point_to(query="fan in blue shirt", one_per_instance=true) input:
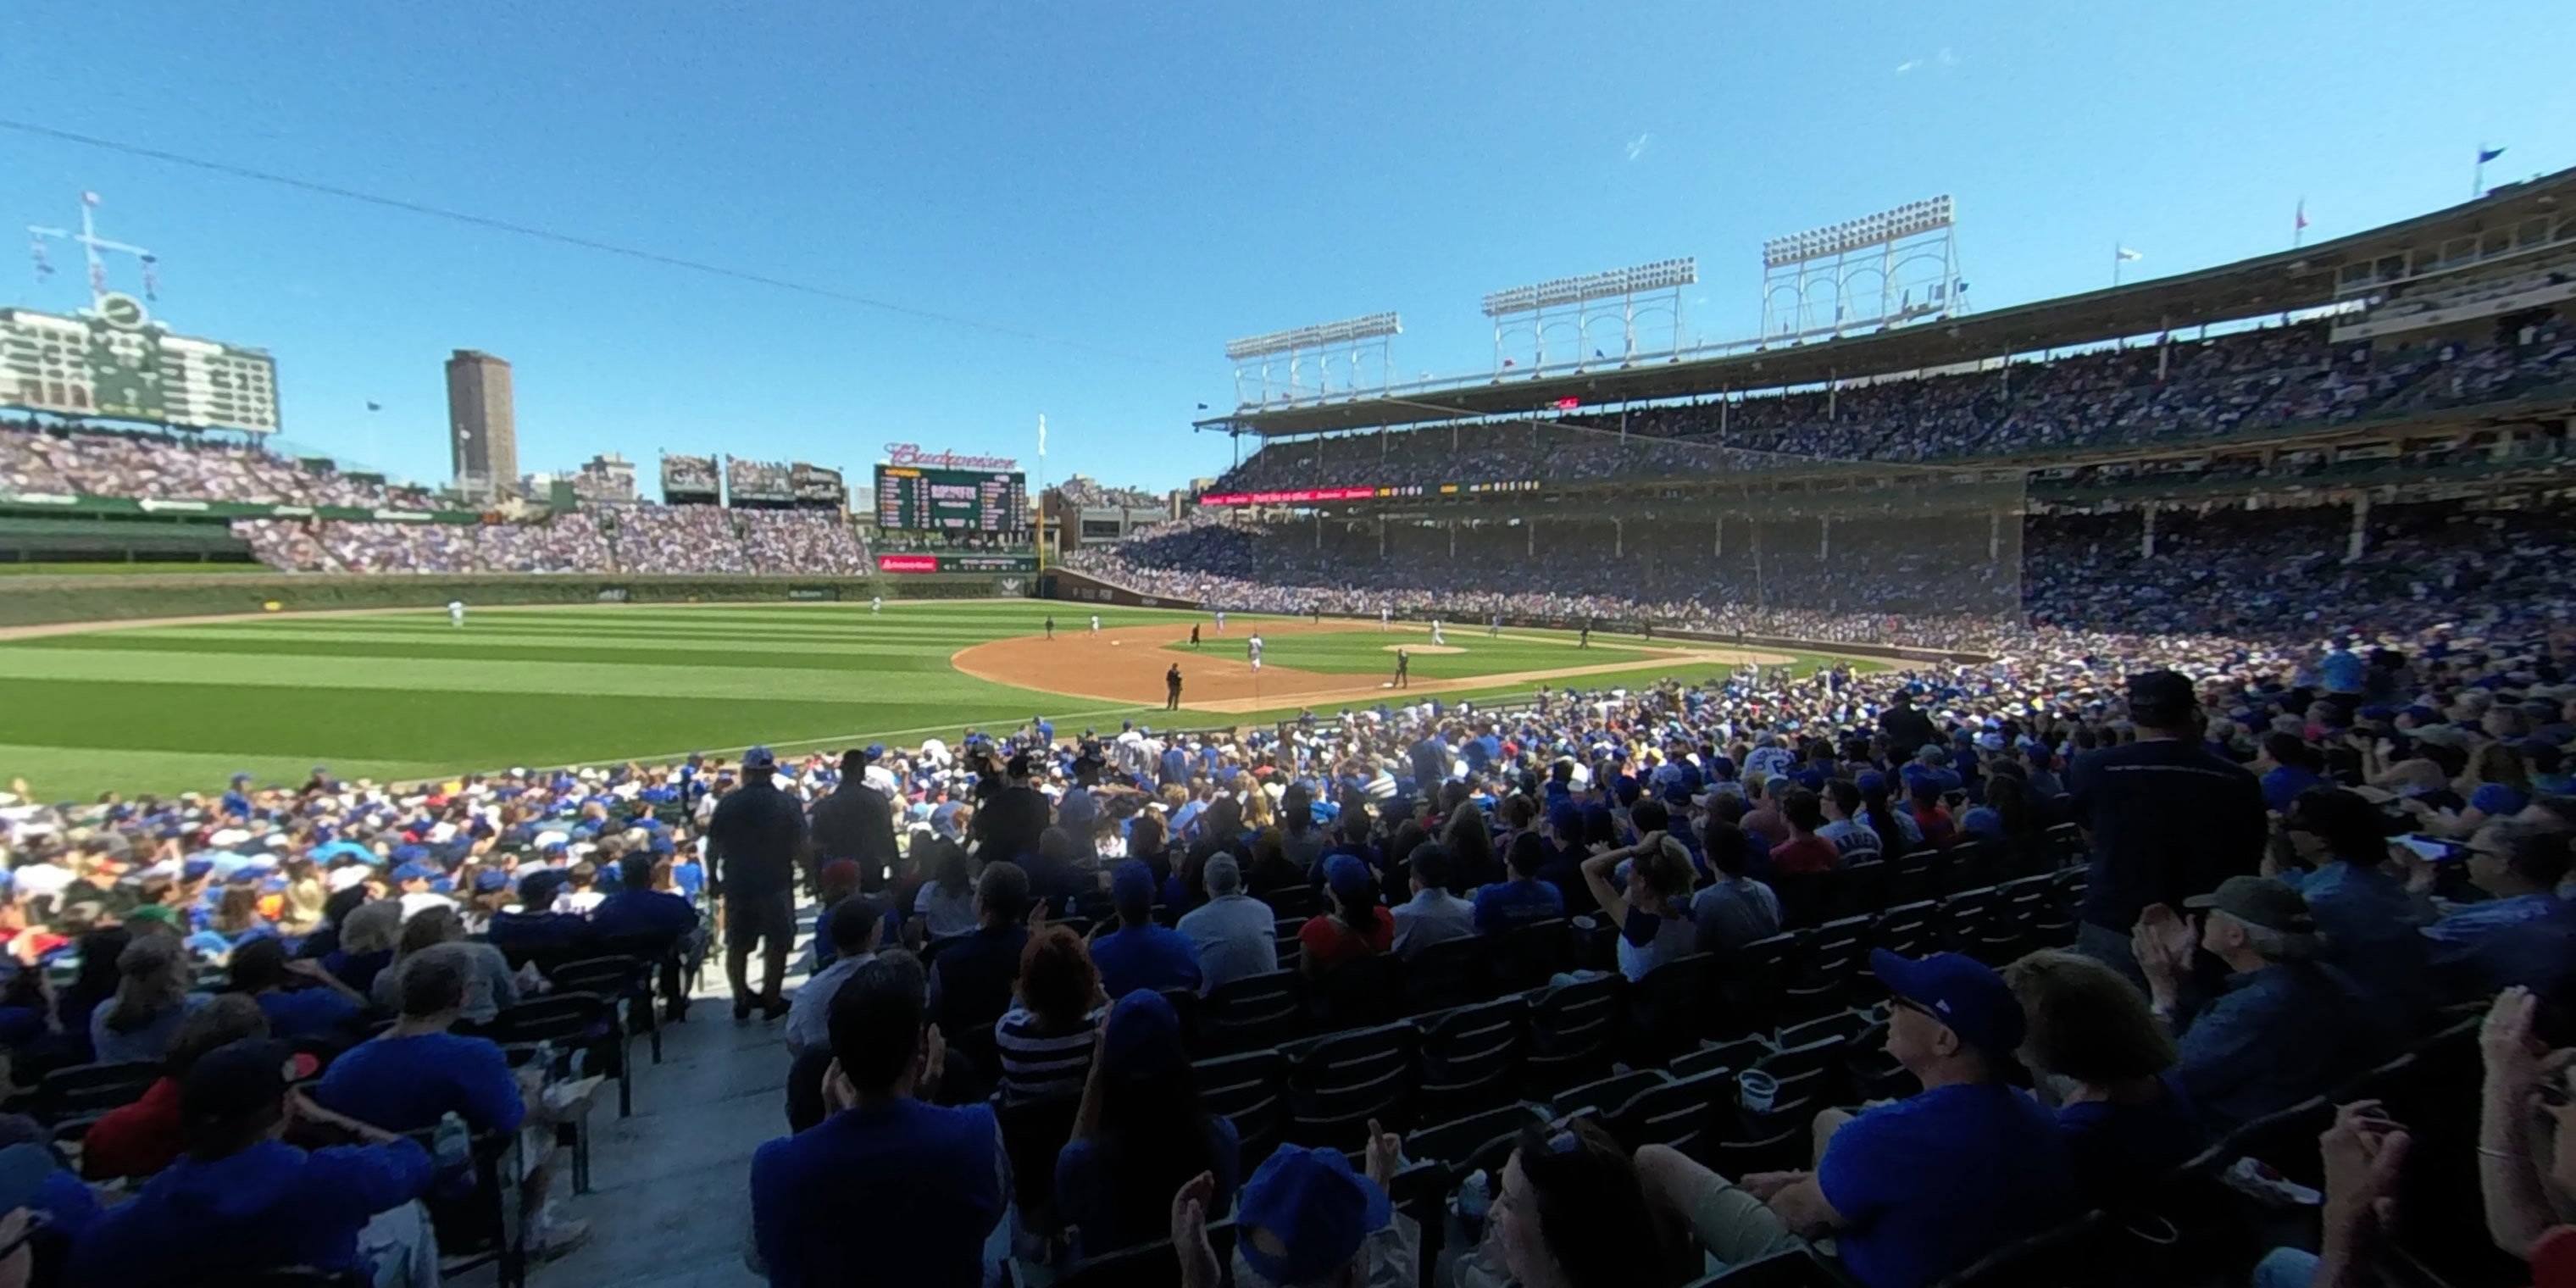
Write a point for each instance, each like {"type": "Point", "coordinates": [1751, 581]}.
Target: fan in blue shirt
{"type": "Point", "coordinates": [1918, 1189]}
{"type": "Point", "coordinates": [1524, 899]}
{"type": "Point", "coordinates": [1138, 953]}
{"type": "Point", "coordinates": [324, 1007]}
{"type": "Point", "coordinates": [240, 1200]}
{"type": "Point", "coordinates": [891, 1188]}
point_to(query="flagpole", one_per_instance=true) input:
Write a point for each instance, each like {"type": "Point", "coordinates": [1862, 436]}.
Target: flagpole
{"type": "Point", "coordinates": [2478, 172]}
{"type": "Point", "coordinates": [2115, 263]}
{"type": "Point", "coordinates": [1040, 507]}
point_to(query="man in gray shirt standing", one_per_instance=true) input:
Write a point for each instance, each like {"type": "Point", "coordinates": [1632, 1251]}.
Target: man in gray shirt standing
{"type": "Point", "coordinates": [1234, 934]}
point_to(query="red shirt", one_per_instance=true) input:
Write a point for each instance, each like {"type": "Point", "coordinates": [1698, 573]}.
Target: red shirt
{"type": "Point", "coordinates": [138, 1139]}
{"type": "Point", "coordinates": [1805, 854]}
{"type": "Point", "coordinates": [1328, 943]}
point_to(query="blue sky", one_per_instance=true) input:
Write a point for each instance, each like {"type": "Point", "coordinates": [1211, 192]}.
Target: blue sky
{"type": "Point", "coordinates": [1137, 182]}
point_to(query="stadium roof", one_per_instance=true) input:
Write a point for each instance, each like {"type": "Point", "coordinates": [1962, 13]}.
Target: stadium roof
{"type": "Point", "coordinates": [2267, 284]}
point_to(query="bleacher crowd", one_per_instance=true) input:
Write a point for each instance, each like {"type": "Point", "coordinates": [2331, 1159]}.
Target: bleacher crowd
{"type": "Point", "coordinates": [2180, 389]}
{"type": "Point", "coordinates": [58, 460]}
{"type": "Point", "coordinates": [649, 539]}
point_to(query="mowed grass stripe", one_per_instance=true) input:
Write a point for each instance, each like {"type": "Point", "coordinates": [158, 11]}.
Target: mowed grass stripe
{"type": "Point", "coordinates": [878, 658]}
{"type": "Point", "coordinates": [745, 678]}
{"type": "Point", "coordinates": [455, 730]}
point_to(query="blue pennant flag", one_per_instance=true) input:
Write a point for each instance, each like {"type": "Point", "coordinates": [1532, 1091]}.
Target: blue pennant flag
{"type": "Point", "coordinates": [2489, 154]}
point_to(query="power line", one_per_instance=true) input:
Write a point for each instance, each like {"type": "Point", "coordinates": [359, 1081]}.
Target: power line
{"type": "Point", "coordinates": [1435, 411]}
{"type": "Point", "coordinates": [576, 240]}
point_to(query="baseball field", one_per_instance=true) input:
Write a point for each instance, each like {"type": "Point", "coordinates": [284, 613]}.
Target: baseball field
{"type": "Point", "coordinates": [404, 695]}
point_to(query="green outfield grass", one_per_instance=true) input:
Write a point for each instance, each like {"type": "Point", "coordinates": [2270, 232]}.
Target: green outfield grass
{"type": "Point", "coordinates": [405, 695]}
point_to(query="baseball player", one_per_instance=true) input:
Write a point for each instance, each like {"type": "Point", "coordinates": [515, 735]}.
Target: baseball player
{"type": "Point", "coordinates": [1435, 632]}
{"type": "Point", "coordinates": [1253, 649]}
{"type": "Point", "coordinates": [876, 604]}
{"type": "Point", "coordinates": [1095, 623]}
{"type": "Point", "coordinates": [456, 612]}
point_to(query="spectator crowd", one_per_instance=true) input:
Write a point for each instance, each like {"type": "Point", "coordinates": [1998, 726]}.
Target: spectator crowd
{"type": "Point", "coordinates": [2290, 861]}
{"type": "Point", "coordinates": [2175, 390]}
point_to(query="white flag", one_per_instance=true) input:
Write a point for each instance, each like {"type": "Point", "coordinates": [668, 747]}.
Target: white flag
{"type": "Point", "coordinates": [89, 198]}
{"type": "Point", "coordinates": [2128, 254]}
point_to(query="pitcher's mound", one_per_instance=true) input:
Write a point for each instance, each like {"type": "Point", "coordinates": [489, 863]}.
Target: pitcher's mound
{"type": "Point", "coordinates": [1423, 648]}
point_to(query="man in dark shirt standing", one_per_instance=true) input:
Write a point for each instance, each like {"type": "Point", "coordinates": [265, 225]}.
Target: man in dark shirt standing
{"type": "Point", "coordinates": [1009, 822]}
{"type": "Point", "coordinates": [856, 822]}
{"type": "Point", "coordinates": [1172, 682]}
{"type": "Point", "coordinates": [1908, 730]}
{"type": "Point", "coordinates": [754, 845]}
{"type": "Point", "coordinates": [2167, 817]}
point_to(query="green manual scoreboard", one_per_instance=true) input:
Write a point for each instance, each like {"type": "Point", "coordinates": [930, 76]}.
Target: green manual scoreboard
{"type": "Point", "coordinates": [114, 362]}
{"type": "Point", "coordinates": [912, 499]}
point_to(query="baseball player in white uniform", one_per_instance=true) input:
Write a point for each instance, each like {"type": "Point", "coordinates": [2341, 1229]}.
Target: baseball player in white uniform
{"type": "Point", "coordinates": [1384, 617]}
{"type": "Point", "coordinates": [1253, 648]}
{"type": "Point", "coordinates": [1220, 621]}
{"type": "Point", "coordinates": [876, 604]}
{"type": "Point", "coordinates": [1435, 632]}
{"type": "Point", "coordinates": [1095, 623]}
{"type": "Point", "coordinates": [456, 612]}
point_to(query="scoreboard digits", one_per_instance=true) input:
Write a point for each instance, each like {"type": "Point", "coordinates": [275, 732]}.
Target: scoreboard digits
{"type": "Point", "coordinates": [920, 500]}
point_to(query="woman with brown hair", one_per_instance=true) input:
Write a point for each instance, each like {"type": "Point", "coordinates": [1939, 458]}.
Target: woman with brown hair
{"type": "Point", "coordinates": [2110, 1064]}
{"type": "Point", "coordinates": [151, 998]}
{"type": "Point", "coordinates": [1569, 1211]}
{"type": "Point", "coordinates": [1046, 1037]}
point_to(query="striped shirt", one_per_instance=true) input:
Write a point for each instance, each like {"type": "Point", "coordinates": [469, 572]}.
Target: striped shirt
{"type": "Point", "coordinates": [1036, 1063]}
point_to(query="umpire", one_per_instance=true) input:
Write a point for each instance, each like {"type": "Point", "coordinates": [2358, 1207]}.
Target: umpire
{"type": "Point", "coordinates": [755, 843]}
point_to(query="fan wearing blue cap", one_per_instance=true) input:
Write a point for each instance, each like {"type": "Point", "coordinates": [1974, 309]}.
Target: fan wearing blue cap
{"type": "Point", "coordinates": [1142, 1134]}
{"type": "Point", "coordinates": [1139, 953]}
{"type": "Point", "coordinates": [1918, 1189]}
{"type": "Point", "coordinates": [1306, 1220]}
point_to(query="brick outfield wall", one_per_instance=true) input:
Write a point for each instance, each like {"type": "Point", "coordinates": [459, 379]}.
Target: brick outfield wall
{"type": "Point", "coordinates": [38, 601]}
{"type": "Point", "coordinates": [1083, 588]}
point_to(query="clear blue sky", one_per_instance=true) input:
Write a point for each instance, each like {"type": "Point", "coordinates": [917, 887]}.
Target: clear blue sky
{"type": "Point", "coordinates": [1154, 178]}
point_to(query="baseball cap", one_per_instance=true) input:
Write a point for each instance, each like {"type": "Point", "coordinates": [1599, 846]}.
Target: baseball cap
{"type": "Point", "coordinates": [2259, 901]}
{"type": "Point", "coordinates": [1348, 875]}
{"type": "Point", "coordinates": [1305, 1213]}
{"type": "Point", "coordinates": [155, 912]}
{"type": "Point", "coordinates": [235, 1079]}
{"type": "Point", "coordinates": [23, 1171]}
{"type": "Point", "coordinates": [1144, 1037]}
{"type": "Point", "coordinates": [759, 758]}
{"type": "Point", "coordinates": [491, 880]}
{"type": "Point", "coordinates": [1132, 885]}
{"type": "Point", "coordinates": [413, 872]}
{"type": "Point", "coordinates": [1958, 990]}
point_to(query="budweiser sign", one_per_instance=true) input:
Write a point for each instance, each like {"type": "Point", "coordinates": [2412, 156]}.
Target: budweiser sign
{"type": "Point", "coordinates": [912, 454]}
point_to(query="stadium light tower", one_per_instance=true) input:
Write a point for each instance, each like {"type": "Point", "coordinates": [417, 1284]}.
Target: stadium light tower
{"type": "Point", "coordinates": [91, 244]}
{"type": "Point", "coordinates": [1621, 293]}
{"type": "Point", "coordinates": [1878, 271]}
{"type": "Point", "coordinates": [1353, 338]}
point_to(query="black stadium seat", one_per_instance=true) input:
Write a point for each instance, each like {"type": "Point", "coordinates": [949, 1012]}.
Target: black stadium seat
{"type": "Point", "coordinates": [1249, 1090]}
{"type": "Point", "coordinates": [1681, 1113]}
{"type": "Point", "coordinates": [1446, 974]}
{"type": "Point", "coordinates": [1605, 1096]}
{"type": "Point", "coordinates": [1570, 1029]}
{"type": "Point", "coordinates": [1337, 1083]}
{"type": "Point", "coordinates": [1468, 1057]}
{"type": "Point", "coordinates": [1256, 1011]}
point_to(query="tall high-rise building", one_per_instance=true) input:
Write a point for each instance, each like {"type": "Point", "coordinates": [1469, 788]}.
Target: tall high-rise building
{"type": "Point", "coordinates": [482, 431]}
